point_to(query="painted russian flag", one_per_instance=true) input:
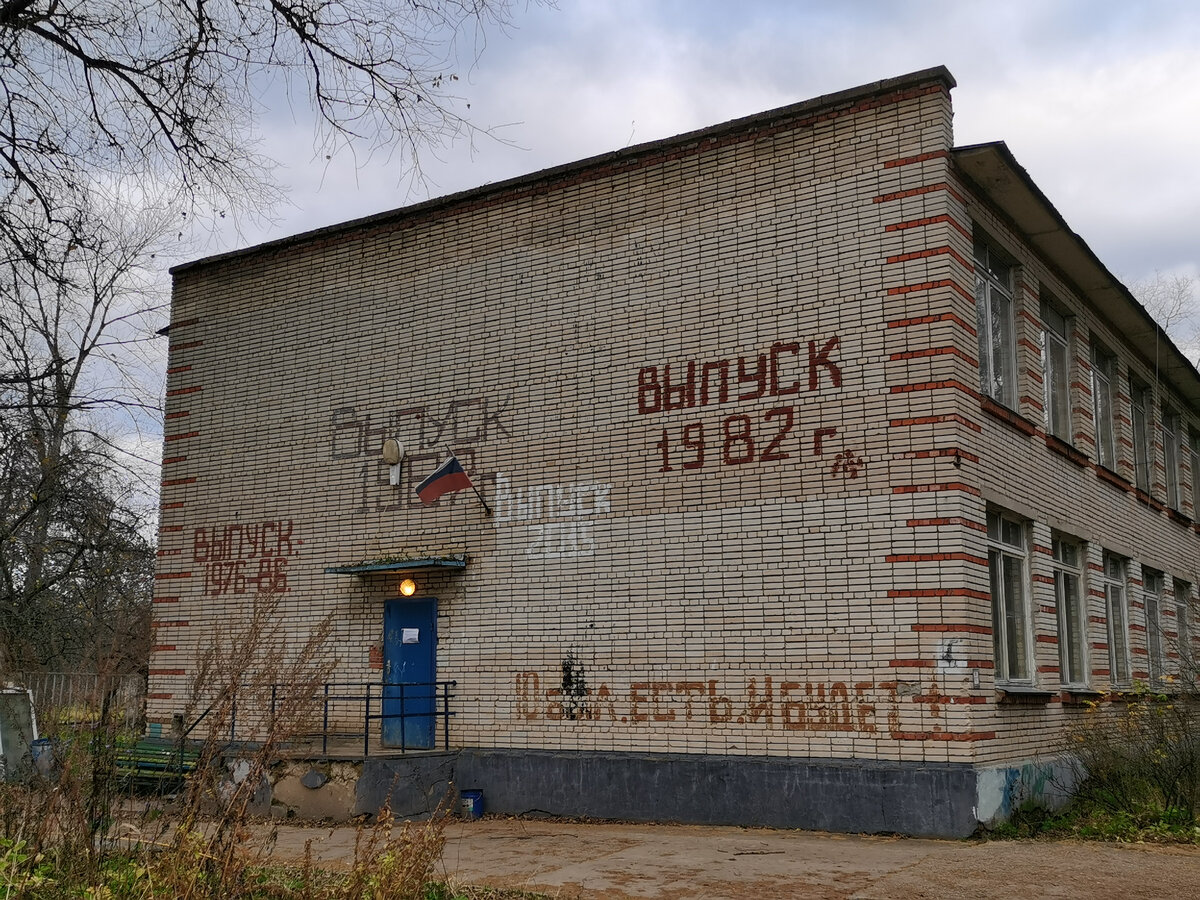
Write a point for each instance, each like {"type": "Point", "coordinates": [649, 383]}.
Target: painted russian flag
{"type": "Point", "coordinates": [446, 479]}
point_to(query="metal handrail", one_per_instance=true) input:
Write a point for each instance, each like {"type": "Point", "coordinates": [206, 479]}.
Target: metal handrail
{"type": "Point", "coordinates": [366, 694]}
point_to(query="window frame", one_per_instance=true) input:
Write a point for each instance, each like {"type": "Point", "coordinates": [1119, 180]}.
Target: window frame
{"type": "Point", "coordinates": [1012, 622]}
{"type": "Point", "coordinates": [1183, 625]}
{"type": "Point", "coordinates": [1168, 429]}
{"type": "Point", "coordinates": [1104, 366]}
{"type": "Point", "coordinates": [1070, 602]}
{"type": "Point", "coordinates": [1156, 655]}
{"type": "Point", "coordinates": [1116, 597]}
{"type": "Point", "coordinates": [995, 307]}
{"type": "Point", "coordinates": [1139, 423]}
{"type": "Point", "coordinates": [1194, 456]}
{"type": "Point", "coordinates": [1057, 333]}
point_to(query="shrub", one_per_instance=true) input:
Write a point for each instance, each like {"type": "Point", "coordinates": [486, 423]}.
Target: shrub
{"type": "Point", "coordinates": [1140, 758]}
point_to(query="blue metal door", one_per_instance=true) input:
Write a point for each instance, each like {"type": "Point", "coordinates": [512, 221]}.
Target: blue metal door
{"type": "Point", "coordinates": [409, 673]}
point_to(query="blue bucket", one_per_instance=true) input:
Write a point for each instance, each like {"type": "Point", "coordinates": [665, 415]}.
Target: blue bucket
{"type": "Point", "coordinates": [43, 756]}
{"type": "Point", "coordinates": [471, 804]}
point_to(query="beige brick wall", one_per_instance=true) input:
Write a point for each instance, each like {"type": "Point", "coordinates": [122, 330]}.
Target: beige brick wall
{"type": "Point", "coordinates": [811, 582]}
{"type": "Point", "coordinates": [1019, 471]}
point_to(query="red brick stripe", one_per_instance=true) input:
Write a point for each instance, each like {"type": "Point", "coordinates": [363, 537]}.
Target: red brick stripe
{"type": "Point", "coordinates": [925, 320]}
{"type": "Point", "coordinates": [168, 576]}
{"type": "Point", "coordinates": [954, 629]}
{"type": "Point", "coordinates": [929, 286]}
{"type": "Point", "coordinates": [1008, 416]}
{"type": "Point", "coordinates": [929, 253]}
{"type": "Point", "coordinates": [936, 487]}
{"type": "Point", "coordinates": [1030, 317]}
{"type": "Point", "coordinates": [918, 191]}
{"type": "Point", "coordinates": [952, 383]}
{"type": "Point", "coordinates": [935, 557]}
{"type": "Point", "coordinates": [943, 735]}
{"type": "Point", "coordinates": [945, 520]}
{"type": "Point", "coordinates": [955, 452]}
{"type": "Point", "coordinates": [181, 436]}
{"type": "Point", "coordinates": [175, 370]}
{"type": "Point", "coordinates": [930, 220]}
{"type": "Point", "coordinates": [946, 699]}
{"type": "Point", "coordinates": [187, 390]}
{"type": "Point", "coordinates": [934, 420]}
{"type": "Point", "coordinates": [171, 482]}
{"type": "Point", "coordinates": [934, 351]}
{"type": "Point", "coordinates": [939, 592]}
{"type": "Point", "coordinates": [920, 157]}
{"type": "Point", "coordinates": [185, 345]}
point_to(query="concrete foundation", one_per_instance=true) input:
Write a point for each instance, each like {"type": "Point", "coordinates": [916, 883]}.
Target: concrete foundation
{"type": "Point", "coordinates": [778, 792]}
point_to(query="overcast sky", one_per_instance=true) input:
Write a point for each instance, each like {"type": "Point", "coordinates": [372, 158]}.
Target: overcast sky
{"type": "Point", "coordinates": [1100, 101]}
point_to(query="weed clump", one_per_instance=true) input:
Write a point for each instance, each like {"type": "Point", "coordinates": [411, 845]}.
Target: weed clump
{"type": "Point", "coordinates": [1136, 759]}
{"type": "Point", "coordinates": [1140, 761]}
{"type": "Point", "coordinates": [85, 832]}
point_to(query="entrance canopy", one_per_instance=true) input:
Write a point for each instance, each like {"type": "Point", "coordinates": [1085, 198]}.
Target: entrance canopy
{"type": "Point", "coordinates": [400, 564]}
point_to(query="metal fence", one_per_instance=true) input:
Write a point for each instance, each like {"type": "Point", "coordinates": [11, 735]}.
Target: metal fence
{"type": "Point", "coordinates": [80, 696]}
{"type": "Point", "coordinates": [343, 715]}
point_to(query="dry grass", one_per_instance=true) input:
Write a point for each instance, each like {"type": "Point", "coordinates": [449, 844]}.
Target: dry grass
{"type": "Point", "coordinates": [62, 837]}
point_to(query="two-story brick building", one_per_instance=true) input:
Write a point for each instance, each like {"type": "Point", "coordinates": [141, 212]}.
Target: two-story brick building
{"type": "Point", "coordinates": [830, 471]}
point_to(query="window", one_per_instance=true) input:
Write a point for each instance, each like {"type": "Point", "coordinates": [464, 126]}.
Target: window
{"type": "Point", "coordinates": [1152, 584]}
{"type": "Point", "coordinates": [1056, 368]}
{"type": "Point", "coordinates": [1010, 605]}
{"type": "Point", "coordinates": [1194, 453]}
{"type": "Point", "coordinates": [1103, 370]}
{"type": "Point", "coordinates": [1169, 432]}
{"type": "Point", "coordinates": [1072, 618]}
{"type": "Point", "coordinates": [1139, 404]}
{"type": "Point", "coordinates": [1183, 625]}
{"type": "Point", "coordinates": [1118, 619]}
{"type": "Point", "coordinates": [994, 312]}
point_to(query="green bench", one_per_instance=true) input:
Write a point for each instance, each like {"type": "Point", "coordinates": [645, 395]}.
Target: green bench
{"type": "Point", "coordinates": [155, 762]}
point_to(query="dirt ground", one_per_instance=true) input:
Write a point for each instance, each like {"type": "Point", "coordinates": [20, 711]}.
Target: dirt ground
{"type": "Point", "coordinates": [568, 860]}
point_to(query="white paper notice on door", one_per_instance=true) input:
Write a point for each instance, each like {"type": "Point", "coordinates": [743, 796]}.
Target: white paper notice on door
{"type": "Point", "coordinates": [410, 636]}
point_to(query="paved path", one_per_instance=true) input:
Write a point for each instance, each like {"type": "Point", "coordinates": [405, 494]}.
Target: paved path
{"type": "Point", "coordinates": [682, 861]}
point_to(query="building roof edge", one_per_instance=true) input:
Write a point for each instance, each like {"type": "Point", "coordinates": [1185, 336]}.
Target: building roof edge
{"type": "Point", "coordinates": [744, 123]}
{"type": "Point", "coordinates": [993, 170]}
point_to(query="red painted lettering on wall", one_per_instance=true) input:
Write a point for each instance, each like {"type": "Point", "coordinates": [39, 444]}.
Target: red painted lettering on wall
{"type": "Point", "coordinates": [778, 373]}
{"type": "Point", "coordinates": [249, 558]}
{"type": "Point", "coordinates": [763, 702]}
